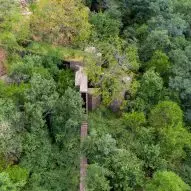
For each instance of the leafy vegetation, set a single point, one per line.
(137, 57)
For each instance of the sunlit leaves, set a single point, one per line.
(60, 22)
(167, 180)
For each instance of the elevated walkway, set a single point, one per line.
(83, 163)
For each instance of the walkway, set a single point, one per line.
(81, 81)
(83, 164)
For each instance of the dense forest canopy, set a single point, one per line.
(137, 55)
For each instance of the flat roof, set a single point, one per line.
(81, 80)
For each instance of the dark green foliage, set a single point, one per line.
(65, 80)
(96, 180)
(139, 10)
(151, 155)
(47, 161)
(42, 93)
(103, 149)
(180, 80)
(11, 126)
(97, 148)
(105, 26)
(181, 70)
(149, 91)
(156, 40)
(140, 67)
(48, 153)
(67, 116)
(184, 169)
(156, 148)
(22, 71)
(128, 174)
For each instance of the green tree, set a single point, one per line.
(5, 183)
(167, 118)
(183, 7)
(96, 180)
(40, 100)
(65, 80)
(160, 7)
(11, 125)
(149, 91)
(98, 148)
(184, 170)
(36, 151)
(166, 180)
(23, 70)
(151, 85)
(160, 61)
(42, 93)
(128, 174)
(173, 142)
(156, 40)
(166, 114)
(173, 23)
(67, 116)
(18, 176)
(60, 22)
(104, 26)
(151, 155)
(134, 120)
(114, 71)
(9, 142)
(139, 11)
(13, 27)
(180, 80)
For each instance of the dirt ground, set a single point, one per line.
(2, 62)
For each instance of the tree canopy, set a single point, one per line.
(60, 22)
(168, 181)
(136, 55)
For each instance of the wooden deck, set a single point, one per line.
(81, 81)
(83, 171)
(83, 163)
